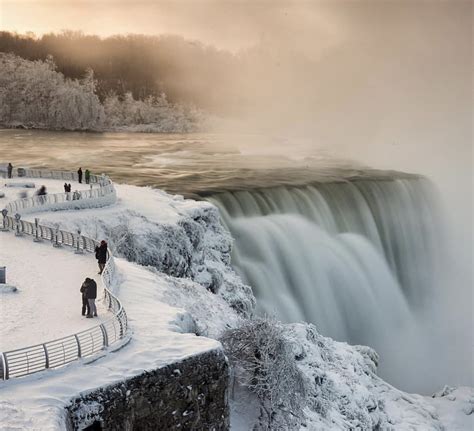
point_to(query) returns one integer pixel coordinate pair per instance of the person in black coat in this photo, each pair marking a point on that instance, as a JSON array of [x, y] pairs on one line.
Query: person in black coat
[[101, 255], [91, 294], [79, 175], [10, 170], [85, 302]]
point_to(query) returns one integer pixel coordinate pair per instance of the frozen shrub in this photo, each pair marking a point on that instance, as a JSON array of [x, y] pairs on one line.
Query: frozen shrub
[[264, 362]]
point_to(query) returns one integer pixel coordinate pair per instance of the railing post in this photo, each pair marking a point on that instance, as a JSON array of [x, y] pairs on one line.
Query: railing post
[[37, 238], [104, 335], [78, 244], [5, 225], [5, 367], [17, 218], [119, 318], [46, 356], [79, 353]]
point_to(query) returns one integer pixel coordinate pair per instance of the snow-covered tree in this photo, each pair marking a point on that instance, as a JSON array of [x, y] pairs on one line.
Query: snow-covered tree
[[34, 94], [154, 114], [263, 361]]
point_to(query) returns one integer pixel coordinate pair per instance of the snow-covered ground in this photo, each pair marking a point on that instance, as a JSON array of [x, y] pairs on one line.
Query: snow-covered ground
[[160, 336], [177, 255], [47, 304], [52, 186], [161, 333]]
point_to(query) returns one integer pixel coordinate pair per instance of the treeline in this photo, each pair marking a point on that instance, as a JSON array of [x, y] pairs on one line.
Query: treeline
[[187, 72], [33, 94]]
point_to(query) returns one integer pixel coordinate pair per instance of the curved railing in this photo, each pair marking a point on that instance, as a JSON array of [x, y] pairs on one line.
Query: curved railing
[[73, 199], [56, 353]]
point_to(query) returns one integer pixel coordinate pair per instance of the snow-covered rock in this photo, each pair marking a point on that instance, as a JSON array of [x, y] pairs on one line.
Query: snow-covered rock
[[343, 392], [178, 237]]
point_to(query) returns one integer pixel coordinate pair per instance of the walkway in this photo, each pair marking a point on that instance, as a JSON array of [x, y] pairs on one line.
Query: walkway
[[48, 302]]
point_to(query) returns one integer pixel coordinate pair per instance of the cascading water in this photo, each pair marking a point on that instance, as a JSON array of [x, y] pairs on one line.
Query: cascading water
[[353, 257]]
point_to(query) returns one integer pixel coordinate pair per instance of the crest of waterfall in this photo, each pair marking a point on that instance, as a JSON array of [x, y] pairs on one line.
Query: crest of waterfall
[[353, 257]]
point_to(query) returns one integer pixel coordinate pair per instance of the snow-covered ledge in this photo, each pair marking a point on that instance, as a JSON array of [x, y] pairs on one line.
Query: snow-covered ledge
[[39, 357], [101, 193]]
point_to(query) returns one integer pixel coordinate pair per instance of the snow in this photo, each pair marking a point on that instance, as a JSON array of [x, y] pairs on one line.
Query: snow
[[455, 407], [159, 337], [48, 280], [14, 187], [161, 333], [174, 255], [179, 237]]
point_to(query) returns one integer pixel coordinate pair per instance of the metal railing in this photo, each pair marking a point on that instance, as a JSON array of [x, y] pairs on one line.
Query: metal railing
[[71, 199], [56, 353]]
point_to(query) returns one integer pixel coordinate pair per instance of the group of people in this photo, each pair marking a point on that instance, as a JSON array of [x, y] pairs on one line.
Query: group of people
[[89, 287], [87, 176]]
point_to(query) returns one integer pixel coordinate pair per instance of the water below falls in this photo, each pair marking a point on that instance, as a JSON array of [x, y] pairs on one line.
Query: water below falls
[[355, 258]]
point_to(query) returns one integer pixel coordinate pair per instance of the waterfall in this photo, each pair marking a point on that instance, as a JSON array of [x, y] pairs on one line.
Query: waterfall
[[353, 257]]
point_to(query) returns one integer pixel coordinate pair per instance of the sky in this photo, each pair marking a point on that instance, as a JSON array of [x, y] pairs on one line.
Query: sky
[[229, 24]]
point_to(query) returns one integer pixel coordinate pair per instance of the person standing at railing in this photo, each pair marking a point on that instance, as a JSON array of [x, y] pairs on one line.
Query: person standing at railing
[[88, 176], [101, 255], [10, 170], [79, 175], [91, 293], [85, 302]]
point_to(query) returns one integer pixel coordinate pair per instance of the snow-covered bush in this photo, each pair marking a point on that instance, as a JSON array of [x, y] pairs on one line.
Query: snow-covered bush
[[264, 363], [34, 94]]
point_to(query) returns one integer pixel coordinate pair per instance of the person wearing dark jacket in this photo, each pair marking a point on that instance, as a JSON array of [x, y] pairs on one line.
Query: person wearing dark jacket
[[41, 191], [88, 176], [91, 293], [79, 175], [85, 302], [101, 255], [10, 170]]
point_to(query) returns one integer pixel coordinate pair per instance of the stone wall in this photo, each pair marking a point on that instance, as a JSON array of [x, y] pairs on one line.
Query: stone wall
[[188, 395]]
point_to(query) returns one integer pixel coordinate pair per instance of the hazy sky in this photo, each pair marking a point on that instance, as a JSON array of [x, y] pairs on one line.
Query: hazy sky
[[230, 24]]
